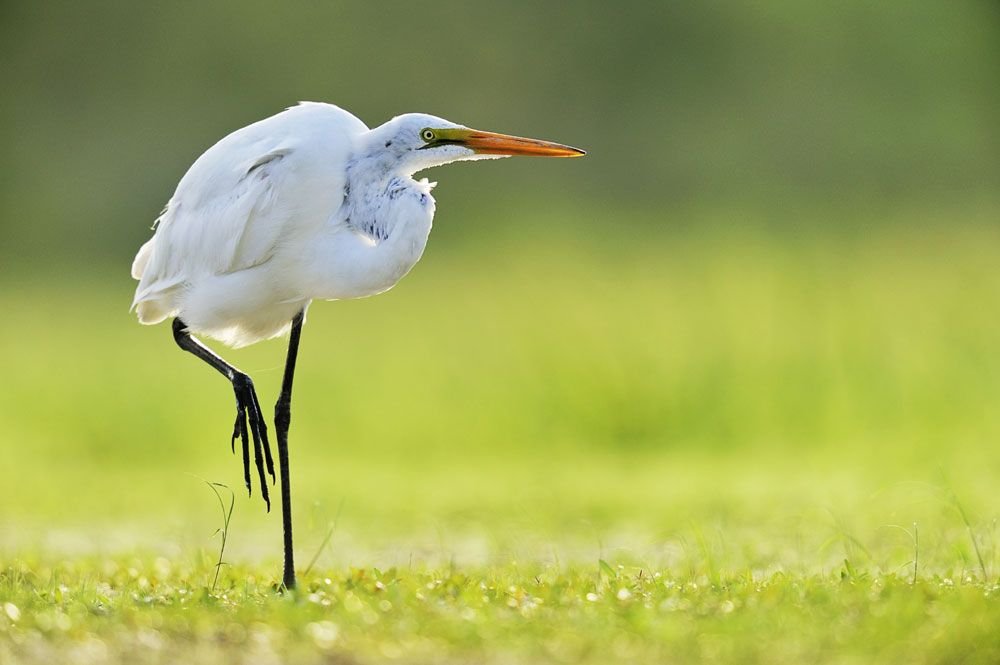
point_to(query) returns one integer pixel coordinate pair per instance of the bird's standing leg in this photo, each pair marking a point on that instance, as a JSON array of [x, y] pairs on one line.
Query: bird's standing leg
[[247, 409], [282, 419]]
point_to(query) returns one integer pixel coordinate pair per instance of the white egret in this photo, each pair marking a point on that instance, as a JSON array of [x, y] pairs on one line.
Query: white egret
[[306, 205]]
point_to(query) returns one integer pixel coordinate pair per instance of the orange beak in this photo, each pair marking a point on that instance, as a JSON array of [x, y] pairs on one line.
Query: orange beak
[[490, 143]]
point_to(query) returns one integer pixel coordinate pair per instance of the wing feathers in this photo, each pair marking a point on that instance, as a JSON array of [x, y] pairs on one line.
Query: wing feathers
[[242, 199]]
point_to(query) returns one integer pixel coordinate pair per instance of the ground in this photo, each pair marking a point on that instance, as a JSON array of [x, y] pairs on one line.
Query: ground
[[728, 444], [157, 610]]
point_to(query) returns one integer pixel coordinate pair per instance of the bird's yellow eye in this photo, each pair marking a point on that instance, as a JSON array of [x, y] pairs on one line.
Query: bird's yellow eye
[[427, 134]]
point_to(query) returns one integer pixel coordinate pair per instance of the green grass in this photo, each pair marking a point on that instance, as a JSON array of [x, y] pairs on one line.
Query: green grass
[[745, 425], [159, 610]]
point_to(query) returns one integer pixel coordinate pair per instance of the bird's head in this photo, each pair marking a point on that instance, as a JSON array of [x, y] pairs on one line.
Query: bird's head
[[417, 141]]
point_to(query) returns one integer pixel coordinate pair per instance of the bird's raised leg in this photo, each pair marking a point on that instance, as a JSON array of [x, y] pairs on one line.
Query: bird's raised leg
[[282, 419], [247, 410]]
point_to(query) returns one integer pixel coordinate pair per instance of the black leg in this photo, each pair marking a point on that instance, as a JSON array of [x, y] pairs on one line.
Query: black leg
[[282, 419], [247, 410]]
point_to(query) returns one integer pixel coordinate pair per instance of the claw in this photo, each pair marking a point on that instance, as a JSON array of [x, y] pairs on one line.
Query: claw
[[248, 413], [241, 427], [263, 434], [240, 430]]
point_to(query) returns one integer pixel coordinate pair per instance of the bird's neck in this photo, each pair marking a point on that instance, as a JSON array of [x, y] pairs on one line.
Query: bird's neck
[[378, 234]]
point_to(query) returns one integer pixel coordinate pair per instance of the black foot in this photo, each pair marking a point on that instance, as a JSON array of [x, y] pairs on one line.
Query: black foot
[[250, 424]]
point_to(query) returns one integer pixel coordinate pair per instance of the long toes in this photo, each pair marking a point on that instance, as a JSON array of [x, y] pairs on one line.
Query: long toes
[[251, 425], [259, 431], [240, 430], [237, 428], [263, 435], [259, 462]]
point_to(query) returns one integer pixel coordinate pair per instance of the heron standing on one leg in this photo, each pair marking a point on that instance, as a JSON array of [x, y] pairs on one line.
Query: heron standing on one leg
[[307, 204]]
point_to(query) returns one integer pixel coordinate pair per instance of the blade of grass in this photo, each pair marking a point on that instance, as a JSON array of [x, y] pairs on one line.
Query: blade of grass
[[326, 540], [226, 517], [972, 535]]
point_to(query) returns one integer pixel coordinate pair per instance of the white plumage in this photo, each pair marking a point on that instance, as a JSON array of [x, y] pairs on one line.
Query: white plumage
[[229, 247], [307, 204]]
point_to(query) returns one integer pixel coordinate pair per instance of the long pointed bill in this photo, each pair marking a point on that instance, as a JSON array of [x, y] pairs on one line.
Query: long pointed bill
[[490, 143]]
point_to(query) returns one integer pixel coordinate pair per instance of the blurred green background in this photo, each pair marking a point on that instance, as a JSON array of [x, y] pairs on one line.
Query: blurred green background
[[765, 304]]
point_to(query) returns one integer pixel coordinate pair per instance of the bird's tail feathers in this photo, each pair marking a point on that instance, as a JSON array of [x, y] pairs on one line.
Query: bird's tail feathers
[[142, 258], [151, 312]]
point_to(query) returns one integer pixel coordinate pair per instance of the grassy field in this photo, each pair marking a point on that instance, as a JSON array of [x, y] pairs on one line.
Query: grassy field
[[720, 443]]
